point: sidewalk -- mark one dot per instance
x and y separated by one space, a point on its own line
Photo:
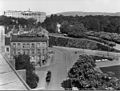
49 62
42 74
42 82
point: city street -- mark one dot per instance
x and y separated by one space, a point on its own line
59 66
63 61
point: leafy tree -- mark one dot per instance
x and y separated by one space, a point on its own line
31 78
7 21
84 76
31 21
64 27
23 62
77 30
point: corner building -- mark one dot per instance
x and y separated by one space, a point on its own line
33 44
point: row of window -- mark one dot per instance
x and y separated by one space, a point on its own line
31 14
24 14
28 45
30 52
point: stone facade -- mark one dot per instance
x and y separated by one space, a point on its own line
33 44
39 16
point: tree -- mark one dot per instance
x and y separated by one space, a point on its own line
31 22
76 30
64 27
84 76
23 62
31 78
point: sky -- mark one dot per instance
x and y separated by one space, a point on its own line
55 6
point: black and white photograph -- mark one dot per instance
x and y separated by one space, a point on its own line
60 45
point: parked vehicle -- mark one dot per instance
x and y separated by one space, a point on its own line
48 77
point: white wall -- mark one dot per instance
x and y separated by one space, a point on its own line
2 38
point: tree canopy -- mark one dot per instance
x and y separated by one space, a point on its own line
84 76
22 61
94 23
7 21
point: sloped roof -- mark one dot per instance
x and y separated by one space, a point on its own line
9 79
31 36
28 38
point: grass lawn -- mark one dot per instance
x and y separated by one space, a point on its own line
115 69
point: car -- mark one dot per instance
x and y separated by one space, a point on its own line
51 52
48 76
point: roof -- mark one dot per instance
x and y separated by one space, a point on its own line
9 78
28 38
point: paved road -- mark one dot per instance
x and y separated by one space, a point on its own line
63 61
58 69
74 57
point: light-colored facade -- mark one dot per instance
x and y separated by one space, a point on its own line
10 79
2 38
31 44
4 41
39 16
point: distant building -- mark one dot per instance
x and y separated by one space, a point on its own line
4 41
39 16
33 43
2 38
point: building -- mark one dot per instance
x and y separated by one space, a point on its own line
39 16
4 40
11 79
33 43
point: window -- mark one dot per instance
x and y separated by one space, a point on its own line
38 45
7 49
43 51
38 51
32 45
23 45
44 44
27 51
14 44
19 53
18 45
28 45
32 52
14 52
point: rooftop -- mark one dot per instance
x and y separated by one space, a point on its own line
29 38
33 35
9 78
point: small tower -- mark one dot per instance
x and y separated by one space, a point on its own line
58 28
